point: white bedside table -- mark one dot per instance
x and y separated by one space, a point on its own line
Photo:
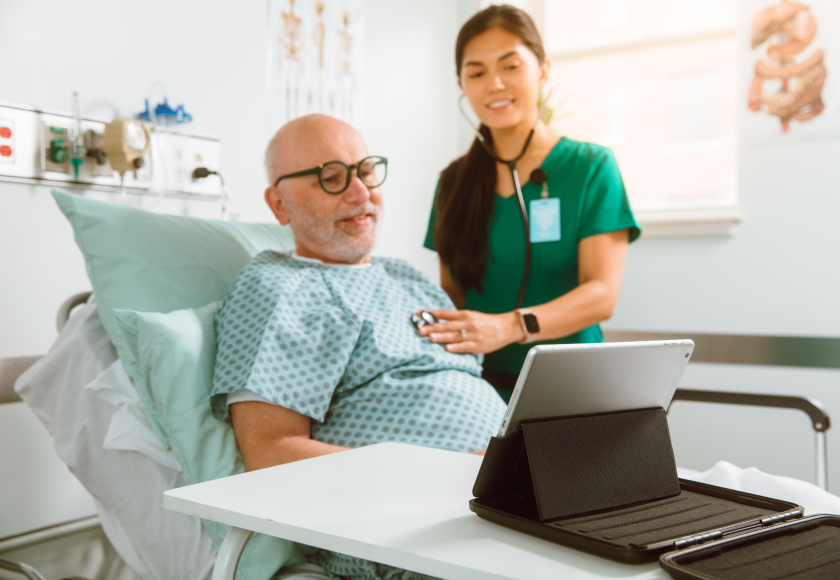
401 505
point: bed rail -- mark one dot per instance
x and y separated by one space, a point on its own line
820 420
10 370
42 535
63 314
24 570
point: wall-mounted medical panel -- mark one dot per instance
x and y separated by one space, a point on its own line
7 141
34 148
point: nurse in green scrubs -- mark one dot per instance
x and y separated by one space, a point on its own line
581 222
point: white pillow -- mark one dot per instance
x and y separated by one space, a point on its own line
128 487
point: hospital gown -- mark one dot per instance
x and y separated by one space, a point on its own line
337 344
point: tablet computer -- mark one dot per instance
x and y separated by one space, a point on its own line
577 379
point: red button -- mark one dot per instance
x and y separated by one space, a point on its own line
5 132
5 151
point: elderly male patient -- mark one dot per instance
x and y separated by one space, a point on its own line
316 349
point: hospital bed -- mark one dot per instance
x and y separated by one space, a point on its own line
12 368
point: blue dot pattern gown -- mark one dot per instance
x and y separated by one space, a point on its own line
338 345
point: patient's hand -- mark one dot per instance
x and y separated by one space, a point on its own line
479 452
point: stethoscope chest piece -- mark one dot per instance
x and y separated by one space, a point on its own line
423 318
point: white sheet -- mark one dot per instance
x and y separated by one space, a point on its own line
128 429
157 544
752 480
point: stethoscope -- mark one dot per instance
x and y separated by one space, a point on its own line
537 177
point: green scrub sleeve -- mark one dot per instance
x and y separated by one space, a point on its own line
605 205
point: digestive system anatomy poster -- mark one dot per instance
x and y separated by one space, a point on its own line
789 70
315 50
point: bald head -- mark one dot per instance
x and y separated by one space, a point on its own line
308 142
331 227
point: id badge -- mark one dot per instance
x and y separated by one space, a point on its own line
545 220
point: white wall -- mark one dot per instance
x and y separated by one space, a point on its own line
779 275
412 114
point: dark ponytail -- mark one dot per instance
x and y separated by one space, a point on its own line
466 193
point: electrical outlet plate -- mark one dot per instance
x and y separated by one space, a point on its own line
182 153
8 146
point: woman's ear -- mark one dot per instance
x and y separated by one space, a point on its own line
545 75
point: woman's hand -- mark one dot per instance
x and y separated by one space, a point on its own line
468 331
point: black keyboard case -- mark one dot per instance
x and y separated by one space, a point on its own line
607 484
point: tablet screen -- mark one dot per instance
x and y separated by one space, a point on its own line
577 379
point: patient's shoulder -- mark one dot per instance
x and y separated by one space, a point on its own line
415 282
270 275
401 270
272 267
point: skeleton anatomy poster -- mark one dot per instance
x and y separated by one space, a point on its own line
789 71
315 50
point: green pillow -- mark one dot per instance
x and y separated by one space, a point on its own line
138 260
176 353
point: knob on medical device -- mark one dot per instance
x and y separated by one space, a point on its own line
126 142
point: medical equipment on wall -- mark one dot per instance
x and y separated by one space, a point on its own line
201 173
511 165
75 143
126 143
70 150
165 115
176 120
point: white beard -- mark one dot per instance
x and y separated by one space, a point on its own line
325 235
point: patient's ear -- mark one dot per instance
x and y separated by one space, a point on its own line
275 202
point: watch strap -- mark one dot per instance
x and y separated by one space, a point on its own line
530 336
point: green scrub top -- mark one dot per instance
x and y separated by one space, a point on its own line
586 179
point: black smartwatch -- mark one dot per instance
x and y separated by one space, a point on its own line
529 325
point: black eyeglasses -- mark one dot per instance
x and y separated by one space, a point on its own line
334 176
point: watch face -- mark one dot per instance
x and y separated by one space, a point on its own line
135 136
531 324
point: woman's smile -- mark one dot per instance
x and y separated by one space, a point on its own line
499 105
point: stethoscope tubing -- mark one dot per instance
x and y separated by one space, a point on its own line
526 274
523 212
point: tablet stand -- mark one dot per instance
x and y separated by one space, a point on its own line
583 464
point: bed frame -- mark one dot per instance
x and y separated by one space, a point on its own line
12 368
